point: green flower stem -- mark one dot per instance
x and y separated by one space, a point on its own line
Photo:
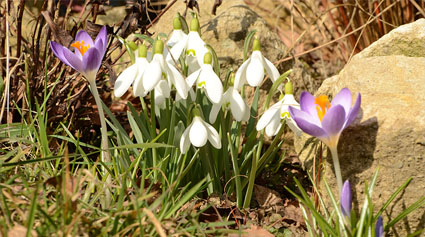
337 168
234 156
153 134
253 174
106 156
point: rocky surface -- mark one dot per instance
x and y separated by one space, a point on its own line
389 132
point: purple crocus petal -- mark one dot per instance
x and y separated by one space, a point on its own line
73 60
58 52
306 123
307 103
101 40
92 60
343 98
346 199
379 227
354 111
84 36
334 120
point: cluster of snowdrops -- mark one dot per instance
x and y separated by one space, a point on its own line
182 80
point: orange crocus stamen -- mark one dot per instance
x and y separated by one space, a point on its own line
80 46
323 105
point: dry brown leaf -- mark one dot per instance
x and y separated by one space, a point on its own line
254 231
267 197
19 230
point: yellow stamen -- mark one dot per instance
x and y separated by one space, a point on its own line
323 106
80 46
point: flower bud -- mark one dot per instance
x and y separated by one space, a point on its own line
379 227
207 58
133 46
196 112
177 25
194 24
158 47
256 46
289 88
346 198
143 51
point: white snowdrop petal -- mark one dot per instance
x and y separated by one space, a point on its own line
198 134
176 36
125 80
271 70
289 100
268 115
213 85
191 79
178 81
240 76
177 50
273 127
184 140
255 71
237 105
247 114
213 136
293 126
152 74
214 112
138 89
162 91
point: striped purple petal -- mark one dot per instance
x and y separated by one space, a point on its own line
343 98
92 60
101 41
58 52
306 123
334 120
84 36
354 111
379 227
73 60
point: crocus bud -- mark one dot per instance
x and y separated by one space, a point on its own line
379 227
158 47
346 198
177 25
194 24
256 46
143 51
207 58
289 88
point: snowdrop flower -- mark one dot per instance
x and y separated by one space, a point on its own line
177 35
134 73
252 70
271 119
159 68
193 45
233 100
197 133
206 78
162 92
88 54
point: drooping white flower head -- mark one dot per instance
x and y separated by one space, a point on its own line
271 119
233 100
194 47
159 68
206 78
197 134
134 73
252 70
177 35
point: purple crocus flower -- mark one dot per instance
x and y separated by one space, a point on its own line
379 227
346 199
87 55
324 119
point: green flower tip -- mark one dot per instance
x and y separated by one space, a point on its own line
158 47
196 112
289 88
194 24
256 46
177 25
132 45
207 58
143 51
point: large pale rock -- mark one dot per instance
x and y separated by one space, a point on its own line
388 134
407 40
